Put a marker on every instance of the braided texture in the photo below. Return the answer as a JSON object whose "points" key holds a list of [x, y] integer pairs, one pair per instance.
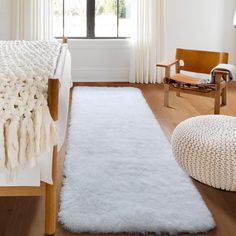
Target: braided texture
{"points": [[26, 127], [205, 147]]}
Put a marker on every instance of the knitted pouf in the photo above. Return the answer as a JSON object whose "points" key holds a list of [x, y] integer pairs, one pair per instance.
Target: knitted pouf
{"points": [[205, 147]]}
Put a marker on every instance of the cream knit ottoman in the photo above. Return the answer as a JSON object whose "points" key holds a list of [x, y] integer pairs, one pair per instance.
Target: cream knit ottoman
{"points": [[205, 147]]}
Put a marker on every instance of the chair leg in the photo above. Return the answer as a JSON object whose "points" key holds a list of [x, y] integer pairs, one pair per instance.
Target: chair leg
{"points": [[224, 96], [166, 94], [217, 102]]}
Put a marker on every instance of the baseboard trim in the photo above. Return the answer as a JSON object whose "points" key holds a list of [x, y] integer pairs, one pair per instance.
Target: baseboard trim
{"points": [[100, 74], [109, 84]]}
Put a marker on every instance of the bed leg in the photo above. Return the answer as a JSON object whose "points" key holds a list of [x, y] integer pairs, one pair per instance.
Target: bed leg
{"points": [[51, 202], [51, 190]]}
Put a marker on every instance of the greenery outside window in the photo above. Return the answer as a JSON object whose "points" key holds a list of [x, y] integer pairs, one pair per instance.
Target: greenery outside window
{"points": [[92, 18]]}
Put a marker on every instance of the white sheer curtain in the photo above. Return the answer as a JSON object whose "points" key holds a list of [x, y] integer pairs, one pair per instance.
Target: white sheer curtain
{"points": [[32, 20], [147, 40]]}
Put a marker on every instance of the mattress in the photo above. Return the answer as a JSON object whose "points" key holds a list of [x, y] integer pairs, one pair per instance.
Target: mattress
{"points": [[43, 171]]}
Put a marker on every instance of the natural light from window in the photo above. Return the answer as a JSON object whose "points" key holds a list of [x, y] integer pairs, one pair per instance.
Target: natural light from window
{"points": [[111, 18]]}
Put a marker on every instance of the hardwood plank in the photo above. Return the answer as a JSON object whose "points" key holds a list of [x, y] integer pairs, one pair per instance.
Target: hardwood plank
{"points": [[23, 191], [25, 216]]}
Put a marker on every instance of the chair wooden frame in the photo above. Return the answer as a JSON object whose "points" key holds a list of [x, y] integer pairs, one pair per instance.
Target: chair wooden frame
{"points": [[46, 190], [200, 62]]}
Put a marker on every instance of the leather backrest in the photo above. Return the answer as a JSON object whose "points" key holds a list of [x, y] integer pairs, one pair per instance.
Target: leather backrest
{"points": [[200, 61]]}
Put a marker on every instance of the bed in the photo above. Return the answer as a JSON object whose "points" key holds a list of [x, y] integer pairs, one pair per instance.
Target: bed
{"points": [[41, 180]]}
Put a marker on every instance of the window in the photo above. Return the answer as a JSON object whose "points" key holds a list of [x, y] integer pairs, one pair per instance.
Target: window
{"points": [[92, 18]]}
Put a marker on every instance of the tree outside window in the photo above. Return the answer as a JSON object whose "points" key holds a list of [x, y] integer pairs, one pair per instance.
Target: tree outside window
{"points": [[92, 18]]}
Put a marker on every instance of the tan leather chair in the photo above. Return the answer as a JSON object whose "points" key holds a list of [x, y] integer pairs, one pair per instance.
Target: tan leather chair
{"points": [[199, 62]]}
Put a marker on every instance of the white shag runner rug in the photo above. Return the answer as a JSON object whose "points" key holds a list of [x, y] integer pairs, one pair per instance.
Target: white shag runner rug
{"points": [[120, 175]]}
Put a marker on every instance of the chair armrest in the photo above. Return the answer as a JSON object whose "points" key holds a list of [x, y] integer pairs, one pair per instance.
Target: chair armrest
{"points": [[219, 74], [167, 64]]}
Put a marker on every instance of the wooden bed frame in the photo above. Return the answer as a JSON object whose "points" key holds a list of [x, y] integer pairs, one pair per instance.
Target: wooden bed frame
{"points": [[46, 190]]}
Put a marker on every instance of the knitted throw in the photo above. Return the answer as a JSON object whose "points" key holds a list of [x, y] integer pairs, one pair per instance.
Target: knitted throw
{"points": [[26, 127]]}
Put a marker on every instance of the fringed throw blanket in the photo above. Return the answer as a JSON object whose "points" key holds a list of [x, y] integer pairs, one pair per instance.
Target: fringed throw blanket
{"points": [[26, 127]]}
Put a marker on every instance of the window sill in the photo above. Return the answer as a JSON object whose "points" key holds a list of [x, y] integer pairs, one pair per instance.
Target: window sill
{"points": [[94, 39], [99, 43]]}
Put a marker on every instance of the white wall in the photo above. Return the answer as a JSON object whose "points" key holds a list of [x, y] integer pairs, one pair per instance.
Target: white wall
{"points": [[200, 24], [5, 19], [100, 60], [229, 33]]}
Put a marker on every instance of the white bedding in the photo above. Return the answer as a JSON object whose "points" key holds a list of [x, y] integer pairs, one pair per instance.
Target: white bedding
{"points": [[43, 171]]}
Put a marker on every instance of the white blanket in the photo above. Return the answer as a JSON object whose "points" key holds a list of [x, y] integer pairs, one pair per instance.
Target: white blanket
{"points": [[210, 78], [26, 127], [27, 176], [225, 67]]}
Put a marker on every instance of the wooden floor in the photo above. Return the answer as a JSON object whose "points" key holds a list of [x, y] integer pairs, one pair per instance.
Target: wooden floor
{"points": [[25, 216]]}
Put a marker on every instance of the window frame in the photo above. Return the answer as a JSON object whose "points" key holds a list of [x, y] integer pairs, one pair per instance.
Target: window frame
{"points": [[90, 17]]}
